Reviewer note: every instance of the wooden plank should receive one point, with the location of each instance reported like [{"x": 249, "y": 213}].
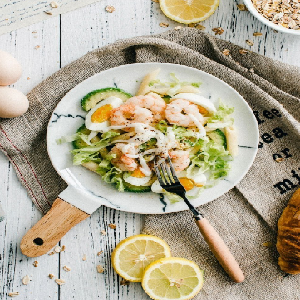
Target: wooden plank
[
  {"x": 21, "y": 214},
  {"x": 21, "y": 13}
]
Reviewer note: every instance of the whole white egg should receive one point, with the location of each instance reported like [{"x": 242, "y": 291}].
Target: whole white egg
[
  {"x": 13, "y": 103},
  {"x": 10, "y": 69}
]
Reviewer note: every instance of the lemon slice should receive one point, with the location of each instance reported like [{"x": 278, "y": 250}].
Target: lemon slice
[
  {"x": 172, "y": 278},
  {"x": 132, "y": 255},
  {"x": 188, "y": 11}
]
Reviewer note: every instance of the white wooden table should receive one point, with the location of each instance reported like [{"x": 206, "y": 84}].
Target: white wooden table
[{"x": 42, "y": 49}]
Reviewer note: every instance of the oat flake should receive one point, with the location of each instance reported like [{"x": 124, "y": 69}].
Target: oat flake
[
  {"x": 13, "y": 294},
  {"x": 242, "y": 7},
  {"x": 112, "y": 226},
  {"x": 60, "y": 281},
  {"x": 226, "y": 52},
  {"x": 218, "y": 30},
  {"x": 53, "y": 4},
  {"x": 110, "y": 8},
  {"x": 99, "y": 269},
  {"x": 67, "y": 269},
  {"x": 25, "y": 280},
  {"x": 162, "y": 24},
  {"x": 250, "y": 43},
  {"x": 35, "y": 263},
  {"x": 257, "y": 34},
  {"x": 51, "y": 276}
]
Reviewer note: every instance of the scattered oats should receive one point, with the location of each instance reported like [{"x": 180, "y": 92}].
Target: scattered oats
[
  {"x": 251, "y": 70},
  {"x": 162, "y": 24},
  {"x": 243, "y": 51},
  {"x": 84, "y": 257},
  {"x": 226, "y": 52},
  {"x": 112, "y": 226},
  {"x": 257, "y": 34},
  {"x": 242, "y": 7},
  {"x": 35, "y": 263},
  {"x": 26, "y": 280},
  {"x": 67, "y": 269},
  {"x": 250, "y": 43},
  {"x": 57, "y": 249},
  {"x": 51, "y": 253},
  {"x": 34, "y": 32},
  {"x": 63, "y": 248},
  {"x": 99, "y": 269},
  {"x": 156, "y": 1},
  {"x": 103, "y": 232},
  {"x": 267, "y": 244},
  {"x": 60, "y": 281},
  {"x": 6, "y": 19},
  {"x": 199, "y": 26},
  {"x": 99, "y": 253},
  {"x": 177, "y": 27},
  {"x": 13, "y": 294},
  {"x": 218, "y": 30},
  {"x": 48, "y": 12},
  {"x": 51, "y": 276},
  {"x": 37, "y": 47},
  {"x": 279, "y": 159},
  {"x": 110, "y": 8},
  {"x": 53, "y": 4},
  {"x": 28, "y": 78},
  {"x": 124, "y": 282}
]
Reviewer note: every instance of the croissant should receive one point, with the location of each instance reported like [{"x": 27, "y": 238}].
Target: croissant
[{"x": 288, "y": 239}]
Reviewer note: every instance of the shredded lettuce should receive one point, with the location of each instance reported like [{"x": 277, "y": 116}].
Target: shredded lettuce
[
  {"x": 148, "y": 145},
  {"x": 211, "y": 157},
  {"x": 112, "y": 174},
  {"x": 222, "y": 114},
  {"x": 162, "y": 126},
  {"x": 67, "y": 139},
  {"x": 172, "y": 86},
  {"x": 91, "y": 152}
]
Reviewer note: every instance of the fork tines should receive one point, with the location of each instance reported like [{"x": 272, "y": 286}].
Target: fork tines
[{"x": 165, "y": 172}]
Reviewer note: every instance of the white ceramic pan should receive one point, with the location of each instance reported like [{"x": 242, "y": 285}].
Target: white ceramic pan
[{"x": 86, "y": 191}]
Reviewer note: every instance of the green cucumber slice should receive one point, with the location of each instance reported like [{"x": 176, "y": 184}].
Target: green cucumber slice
[
  {"x": 136, "y": 189},
  {"x": 90, "y": 100},
  {"x": 218, "y": 137}
]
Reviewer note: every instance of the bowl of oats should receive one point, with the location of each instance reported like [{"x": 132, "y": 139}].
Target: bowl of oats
[{"x": 281, "y": 15}]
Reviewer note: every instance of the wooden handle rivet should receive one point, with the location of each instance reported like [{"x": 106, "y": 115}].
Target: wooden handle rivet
[{"x": 38, "y": 241}]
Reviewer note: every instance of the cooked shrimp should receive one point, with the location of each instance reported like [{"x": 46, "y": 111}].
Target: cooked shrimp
[
  {"x": 180, "y": 159},
  {"x": 179, "y": 112},
  {"x": 122, "y": 161},
  {"x": 152, "y": 101},
  {"x": 139, "y": 109}
]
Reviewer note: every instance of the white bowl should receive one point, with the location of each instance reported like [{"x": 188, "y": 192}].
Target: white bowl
[{"x": 261, "y": 18}]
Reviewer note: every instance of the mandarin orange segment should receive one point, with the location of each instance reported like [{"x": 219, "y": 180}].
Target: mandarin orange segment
[{"x": 102, "y": 114}]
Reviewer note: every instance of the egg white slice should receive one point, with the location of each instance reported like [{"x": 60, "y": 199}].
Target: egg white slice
[
  {"x": 114, "y": 102},
  {"x": 137, "y": 181},
  {"x": 197, "y": 99}
]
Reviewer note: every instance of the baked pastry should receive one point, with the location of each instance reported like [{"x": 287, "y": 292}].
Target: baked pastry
[{"x": 288, "y": 239}]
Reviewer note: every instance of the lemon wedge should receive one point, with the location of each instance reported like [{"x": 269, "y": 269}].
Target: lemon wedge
[
  {"x": 134, "y": 254},
  {"x": 188, "y": 11},
  {"x": 172, "y": 278}
]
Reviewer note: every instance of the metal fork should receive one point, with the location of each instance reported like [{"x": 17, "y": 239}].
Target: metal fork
[{"x": 168, "y": 180}]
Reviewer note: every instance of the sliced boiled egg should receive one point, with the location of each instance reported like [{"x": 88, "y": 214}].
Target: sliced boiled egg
[
  {"x": 97, "y": 118},
  {"x": 137, "y": 178},
  {"x": 199, "y": 100}
]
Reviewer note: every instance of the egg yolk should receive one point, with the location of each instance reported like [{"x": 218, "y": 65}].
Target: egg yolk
[
  {"x": 187, "y": 183},
  {"x": 138, "y": 173},
  {"x": 102, "y": 114},
  {"x": 202, "y": 110}
]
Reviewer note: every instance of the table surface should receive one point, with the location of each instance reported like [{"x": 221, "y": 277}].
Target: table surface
[{"x": 44, "y": 48}]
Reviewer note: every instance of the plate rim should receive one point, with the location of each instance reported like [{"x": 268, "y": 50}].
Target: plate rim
[{"x": 245, "y": 171}]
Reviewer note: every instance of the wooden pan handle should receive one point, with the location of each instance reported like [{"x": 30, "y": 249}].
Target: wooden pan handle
[
  {"x": 220, "y": 250},
  {"x": 48, "y": 231}
]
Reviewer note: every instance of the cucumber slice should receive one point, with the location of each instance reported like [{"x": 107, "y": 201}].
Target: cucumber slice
[
  {"x": 77, "y": 144},
  {"x": 93, "y": 98},
  {"x": 218, "y": 137},
  {"x": 136, "y": 189}
]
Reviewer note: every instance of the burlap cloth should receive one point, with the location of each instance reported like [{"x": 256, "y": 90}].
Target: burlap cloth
[{"x": 246, "y": 216}]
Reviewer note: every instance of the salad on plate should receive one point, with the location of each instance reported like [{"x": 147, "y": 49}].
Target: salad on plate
[{"x": 124, "y": 135}]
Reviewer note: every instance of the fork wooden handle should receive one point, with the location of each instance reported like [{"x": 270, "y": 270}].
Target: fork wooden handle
[{"x": 220, "y": 250}]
